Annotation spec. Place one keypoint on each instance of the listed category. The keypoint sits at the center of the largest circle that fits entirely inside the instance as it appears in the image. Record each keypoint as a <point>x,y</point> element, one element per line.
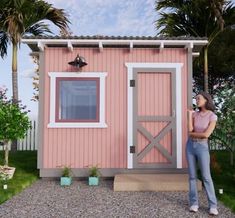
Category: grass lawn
<point>225,179</point>
<point>26,172</point>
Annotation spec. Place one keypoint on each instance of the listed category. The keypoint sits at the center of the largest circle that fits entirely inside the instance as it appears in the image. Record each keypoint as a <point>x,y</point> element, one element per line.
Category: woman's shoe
<point>193,208</point>
<point>213,211</point>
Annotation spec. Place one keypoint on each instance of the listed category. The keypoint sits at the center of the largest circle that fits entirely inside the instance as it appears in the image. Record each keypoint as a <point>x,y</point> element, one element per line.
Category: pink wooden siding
<point>106,147</point>
<point>154,99</point>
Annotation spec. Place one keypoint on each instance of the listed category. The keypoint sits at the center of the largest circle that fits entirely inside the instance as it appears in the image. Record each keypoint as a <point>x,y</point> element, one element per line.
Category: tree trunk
<point>14,84</point>
<point>231,158</point>
<point>14,73</point>
<point>206,69</point>
<point>6,144</point>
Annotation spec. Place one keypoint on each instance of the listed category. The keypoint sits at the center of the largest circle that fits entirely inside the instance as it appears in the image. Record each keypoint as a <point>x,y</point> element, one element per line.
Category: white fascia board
<point>116,41</point>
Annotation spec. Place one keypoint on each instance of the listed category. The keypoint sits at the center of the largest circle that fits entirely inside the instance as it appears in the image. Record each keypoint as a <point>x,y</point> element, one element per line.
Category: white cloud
<point>28,73</point>
<point>110,17</point>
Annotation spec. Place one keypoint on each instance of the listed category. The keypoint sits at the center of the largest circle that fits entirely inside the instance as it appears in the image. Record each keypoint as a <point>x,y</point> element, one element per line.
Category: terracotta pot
<point>8,171</point>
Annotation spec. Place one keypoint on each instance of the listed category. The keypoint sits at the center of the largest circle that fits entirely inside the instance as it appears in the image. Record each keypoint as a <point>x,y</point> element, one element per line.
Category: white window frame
<point>54,124</point>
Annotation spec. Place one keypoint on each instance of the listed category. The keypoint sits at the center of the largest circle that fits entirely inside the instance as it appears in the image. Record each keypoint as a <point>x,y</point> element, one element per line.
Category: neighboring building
<point>125,111</point>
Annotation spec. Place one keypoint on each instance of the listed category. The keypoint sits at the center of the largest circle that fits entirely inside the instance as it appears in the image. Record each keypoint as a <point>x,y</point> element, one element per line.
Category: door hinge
<point>132,83</point>
<point>132,149</point>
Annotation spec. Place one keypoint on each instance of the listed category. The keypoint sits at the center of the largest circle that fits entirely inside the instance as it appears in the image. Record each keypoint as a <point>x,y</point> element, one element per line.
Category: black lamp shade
<point>78,62</point>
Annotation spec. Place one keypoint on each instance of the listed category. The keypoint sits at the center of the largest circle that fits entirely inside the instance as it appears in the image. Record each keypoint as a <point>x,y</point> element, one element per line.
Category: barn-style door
<point>154,123</point>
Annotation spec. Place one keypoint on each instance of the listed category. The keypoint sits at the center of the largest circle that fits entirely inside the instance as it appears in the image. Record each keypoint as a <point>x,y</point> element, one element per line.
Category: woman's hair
<point>209,103</point>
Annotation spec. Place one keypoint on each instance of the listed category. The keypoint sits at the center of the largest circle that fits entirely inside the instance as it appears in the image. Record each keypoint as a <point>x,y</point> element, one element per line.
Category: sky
<point>88,17</point>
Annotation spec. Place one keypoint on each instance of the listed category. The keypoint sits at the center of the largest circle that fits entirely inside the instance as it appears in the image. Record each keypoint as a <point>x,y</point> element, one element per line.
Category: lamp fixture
<point>78,62</point>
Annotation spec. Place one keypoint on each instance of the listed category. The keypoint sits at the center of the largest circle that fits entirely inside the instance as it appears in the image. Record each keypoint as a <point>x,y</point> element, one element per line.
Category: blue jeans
<point>199,151</point>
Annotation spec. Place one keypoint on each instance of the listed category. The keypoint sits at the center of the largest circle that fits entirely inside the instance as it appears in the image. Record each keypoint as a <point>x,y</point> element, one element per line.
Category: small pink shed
<point>125,111</point>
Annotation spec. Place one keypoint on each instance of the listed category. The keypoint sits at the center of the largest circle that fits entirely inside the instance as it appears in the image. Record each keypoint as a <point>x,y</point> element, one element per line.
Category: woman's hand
<point>190,119</point>
<point>190,111</point>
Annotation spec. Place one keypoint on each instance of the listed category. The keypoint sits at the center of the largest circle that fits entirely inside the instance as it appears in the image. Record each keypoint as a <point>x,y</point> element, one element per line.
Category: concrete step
<point>152,182</point>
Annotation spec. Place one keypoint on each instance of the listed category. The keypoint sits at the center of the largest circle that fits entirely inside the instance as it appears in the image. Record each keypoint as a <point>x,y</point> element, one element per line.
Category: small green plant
<point>66,172</point>
<point>94,171</point>
<point>4,177</point>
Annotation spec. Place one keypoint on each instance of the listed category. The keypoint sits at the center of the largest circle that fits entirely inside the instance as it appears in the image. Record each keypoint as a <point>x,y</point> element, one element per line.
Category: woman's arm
<point>190,120</point>
<point>205,134</point>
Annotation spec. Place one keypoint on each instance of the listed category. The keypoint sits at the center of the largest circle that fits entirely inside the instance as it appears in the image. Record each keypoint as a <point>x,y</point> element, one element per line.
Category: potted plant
<point>14,125</point>
<point>66,179</point>
<point>94,175</point>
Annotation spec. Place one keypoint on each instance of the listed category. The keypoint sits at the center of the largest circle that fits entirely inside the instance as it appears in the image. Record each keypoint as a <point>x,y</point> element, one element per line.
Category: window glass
<point>78,100</point>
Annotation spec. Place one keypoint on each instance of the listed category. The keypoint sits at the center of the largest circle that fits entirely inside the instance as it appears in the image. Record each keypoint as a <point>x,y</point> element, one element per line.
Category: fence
<point>29,143</point>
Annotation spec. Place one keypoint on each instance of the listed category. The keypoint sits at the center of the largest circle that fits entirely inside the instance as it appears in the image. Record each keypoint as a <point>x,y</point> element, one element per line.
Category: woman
<point>201,125</point>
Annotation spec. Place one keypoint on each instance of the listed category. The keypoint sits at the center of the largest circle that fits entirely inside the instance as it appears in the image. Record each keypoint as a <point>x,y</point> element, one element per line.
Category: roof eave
<point>161,43</point>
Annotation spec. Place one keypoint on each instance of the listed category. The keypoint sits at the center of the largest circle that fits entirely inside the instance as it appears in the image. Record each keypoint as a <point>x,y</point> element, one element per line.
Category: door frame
<point>174,68</point>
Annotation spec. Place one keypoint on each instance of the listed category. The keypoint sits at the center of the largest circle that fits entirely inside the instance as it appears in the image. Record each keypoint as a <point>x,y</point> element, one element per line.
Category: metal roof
<point>100,37</point>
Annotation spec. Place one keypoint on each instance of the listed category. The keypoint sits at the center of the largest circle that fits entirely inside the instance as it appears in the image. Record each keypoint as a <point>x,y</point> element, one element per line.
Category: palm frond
<point>4,41</point>
<point>58,17</point>
<point>194,18</point>
<point>38,29</point>
<point>36,16</point>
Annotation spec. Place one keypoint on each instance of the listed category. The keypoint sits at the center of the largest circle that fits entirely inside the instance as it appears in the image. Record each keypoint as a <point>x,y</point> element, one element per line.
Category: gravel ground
<point>47,199</point>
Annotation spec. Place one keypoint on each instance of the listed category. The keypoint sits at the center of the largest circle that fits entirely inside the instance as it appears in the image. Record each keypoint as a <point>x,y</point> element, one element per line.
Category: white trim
<point>179,155</point>
<point>130,118</point>
<point>174,67</point>
<point>100,124</point>
<point>161,43</point>
<point>101,46</point>
<point>40,45</point>
<point>131,45</point>
<point>70,46</point>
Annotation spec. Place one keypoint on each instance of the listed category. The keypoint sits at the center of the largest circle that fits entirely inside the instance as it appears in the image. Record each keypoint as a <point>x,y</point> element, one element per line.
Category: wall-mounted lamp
<point>78,62</point>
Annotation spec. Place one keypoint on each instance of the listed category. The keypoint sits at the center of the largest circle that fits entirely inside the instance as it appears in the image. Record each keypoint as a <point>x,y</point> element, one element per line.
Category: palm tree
<point>199,18</point>
<point>25,17</point>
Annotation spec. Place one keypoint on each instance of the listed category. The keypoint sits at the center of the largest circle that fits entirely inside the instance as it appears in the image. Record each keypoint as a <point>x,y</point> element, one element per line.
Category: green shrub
<point>14,121</point>
<point>224,133</point>
<point>94,171</point>
<point>66,172</point>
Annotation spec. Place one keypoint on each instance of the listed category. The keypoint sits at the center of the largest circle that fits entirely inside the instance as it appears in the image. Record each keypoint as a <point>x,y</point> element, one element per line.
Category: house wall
<point>107,147</point>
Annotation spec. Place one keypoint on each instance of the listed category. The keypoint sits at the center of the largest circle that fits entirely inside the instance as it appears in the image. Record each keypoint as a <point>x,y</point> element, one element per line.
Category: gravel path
<point>47,199</point>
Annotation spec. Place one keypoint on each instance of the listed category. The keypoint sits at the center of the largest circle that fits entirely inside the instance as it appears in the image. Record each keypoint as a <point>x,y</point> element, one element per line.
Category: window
<point>77,100</point>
